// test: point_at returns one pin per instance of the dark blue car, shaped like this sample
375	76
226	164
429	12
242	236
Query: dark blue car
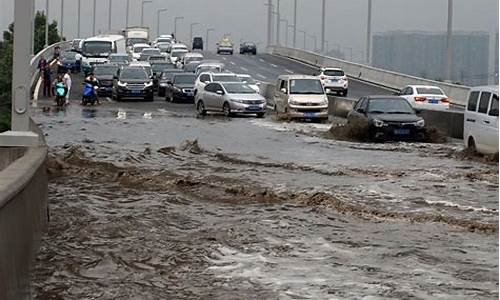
68	61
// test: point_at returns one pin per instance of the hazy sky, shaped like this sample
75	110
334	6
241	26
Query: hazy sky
346	19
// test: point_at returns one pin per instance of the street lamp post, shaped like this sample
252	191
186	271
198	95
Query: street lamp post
449	40
78	32
315	42
295	24
326	47
158	20
62	19
175	25
350	52
305	34
191	31
142	10
323	21
286	31
127	13
206	37
269	21
94	16
278	17
369	33
46	23
109	15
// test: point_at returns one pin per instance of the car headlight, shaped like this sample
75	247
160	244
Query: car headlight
324	102
293	102
148	84
379	123
185	91
420	123
237	101
122	84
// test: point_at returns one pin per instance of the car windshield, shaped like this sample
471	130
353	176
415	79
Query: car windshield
430	91
157	68
163	40
139	49
151	52
226	78
249	44
333	73
193	58
97	47
248	80
168	74
163	47
178	54
389	106
306	86
133	41
184	79
118	58
238	88
134	73
105	70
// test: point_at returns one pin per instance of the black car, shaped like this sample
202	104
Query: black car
387	118
105	74
133	82
181	87
158	67
165	78
198	43
248	48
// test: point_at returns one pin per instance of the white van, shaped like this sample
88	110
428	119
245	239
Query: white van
96	50
481	120
300	96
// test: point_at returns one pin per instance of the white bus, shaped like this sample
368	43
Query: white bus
95	50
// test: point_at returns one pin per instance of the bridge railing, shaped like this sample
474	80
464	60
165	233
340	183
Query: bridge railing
380	77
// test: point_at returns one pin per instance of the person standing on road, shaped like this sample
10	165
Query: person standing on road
46	77
67	83
78	65
42	64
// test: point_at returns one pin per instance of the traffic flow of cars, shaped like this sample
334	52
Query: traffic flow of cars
131	66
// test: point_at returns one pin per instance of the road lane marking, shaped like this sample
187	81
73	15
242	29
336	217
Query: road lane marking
244	69
109	99
261	76
233	63
275	66
288	71
261	60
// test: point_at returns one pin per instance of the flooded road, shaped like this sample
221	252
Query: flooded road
147	201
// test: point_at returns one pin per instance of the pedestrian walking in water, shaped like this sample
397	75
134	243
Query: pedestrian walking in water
47	81
42	64
67	83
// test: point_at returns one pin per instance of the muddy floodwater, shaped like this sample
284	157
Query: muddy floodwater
155	203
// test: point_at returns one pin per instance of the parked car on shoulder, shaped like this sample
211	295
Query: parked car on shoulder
481	120
248	47
207	77
334	81
181	87
425	97
198	43
133	82
300	96
387	118
105	74
230	98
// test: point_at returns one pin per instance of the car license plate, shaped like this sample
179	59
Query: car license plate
136	92
433	101
253	108
189	94
401	131
309	115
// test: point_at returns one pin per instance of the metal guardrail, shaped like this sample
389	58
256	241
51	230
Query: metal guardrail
380	77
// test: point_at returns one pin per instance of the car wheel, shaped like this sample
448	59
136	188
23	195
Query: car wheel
344	93
471	144
260	115
161	92
149	98
226	108
201	108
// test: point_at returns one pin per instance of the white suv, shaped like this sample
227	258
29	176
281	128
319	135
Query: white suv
334	80
208	77
481	120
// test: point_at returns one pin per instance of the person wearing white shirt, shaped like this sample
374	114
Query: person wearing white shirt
67	82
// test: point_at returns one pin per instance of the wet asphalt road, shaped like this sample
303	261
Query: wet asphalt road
149	201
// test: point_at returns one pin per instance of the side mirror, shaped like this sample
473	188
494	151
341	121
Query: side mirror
220	92
398	93
283	90
494	113
418	111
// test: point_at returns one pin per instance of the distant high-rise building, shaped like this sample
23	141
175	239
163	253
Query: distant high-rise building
422	54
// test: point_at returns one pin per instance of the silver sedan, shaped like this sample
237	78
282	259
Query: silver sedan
230	98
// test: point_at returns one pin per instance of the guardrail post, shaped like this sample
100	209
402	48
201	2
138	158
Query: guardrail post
20	135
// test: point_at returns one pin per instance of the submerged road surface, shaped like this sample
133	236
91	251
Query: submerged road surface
148	201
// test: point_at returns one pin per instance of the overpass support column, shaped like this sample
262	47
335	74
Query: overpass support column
20	135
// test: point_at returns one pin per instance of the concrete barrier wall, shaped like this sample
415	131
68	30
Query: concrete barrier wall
370	74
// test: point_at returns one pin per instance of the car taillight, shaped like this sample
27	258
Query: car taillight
420	99
445	100
344	78
323	77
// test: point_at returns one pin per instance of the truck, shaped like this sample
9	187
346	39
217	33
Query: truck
135	35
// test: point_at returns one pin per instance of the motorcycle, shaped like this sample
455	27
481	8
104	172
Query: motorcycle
60	91
89	94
